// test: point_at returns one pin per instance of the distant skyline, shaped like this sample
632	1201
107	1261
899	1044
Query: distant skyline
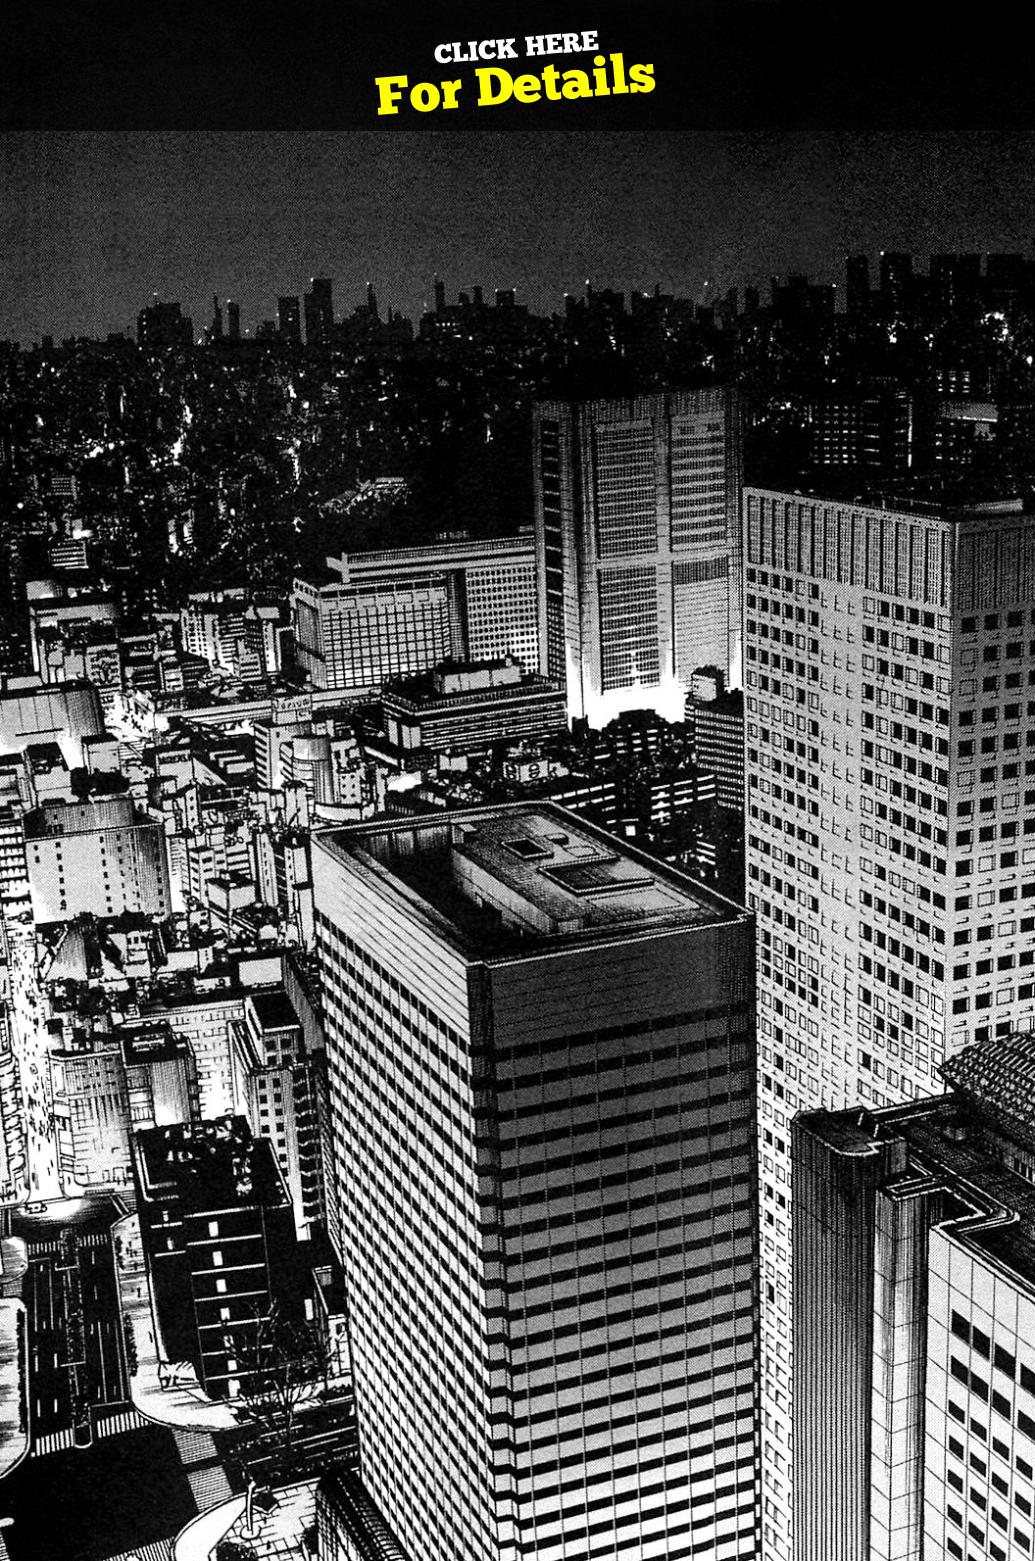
92	224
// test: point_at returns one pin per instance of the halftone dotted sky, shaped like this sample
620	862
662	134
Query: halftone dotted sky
92	224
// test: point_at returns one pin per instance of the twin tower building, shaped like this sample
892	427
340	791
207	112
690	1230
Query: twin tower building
565	1176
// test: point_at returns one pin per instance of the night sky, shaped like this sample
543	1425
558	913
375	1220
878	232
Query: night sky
92	224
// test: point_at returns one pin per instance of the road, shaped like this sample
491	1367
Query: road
71	1271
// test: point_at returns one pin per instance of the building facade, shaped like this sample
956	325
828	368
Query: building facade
890	753
404	610
472	706
100	857
540	1050
914	1339
638	538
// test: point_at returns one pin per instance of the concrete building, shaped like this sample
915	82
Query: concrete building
66	714
540	1046
890	750
161	1077
103	857
914	1339
404	610
91	1113
470	706
276	1093
638	542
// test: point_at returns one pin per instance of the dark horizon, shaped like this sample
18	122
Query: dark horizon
93	224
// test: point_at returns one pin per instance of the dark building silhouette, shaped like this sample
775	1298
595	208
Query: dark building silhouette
289	320
219	1241
164	325
319	312
896	279
858	301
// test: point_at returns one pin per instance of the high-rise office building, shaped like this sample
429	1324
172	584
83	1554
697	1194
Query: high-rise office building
541	1066
890	751
319	311
637	530
914	1310
866	433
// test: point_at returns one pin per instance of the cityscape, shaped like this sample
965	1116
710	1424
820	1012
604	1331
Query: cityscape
517	920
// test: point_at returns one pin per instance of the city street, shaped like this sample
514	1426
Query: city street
71	1275
30	1039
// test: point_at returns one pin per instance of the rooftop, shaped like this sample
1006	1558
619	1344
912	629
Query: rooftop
505	879
273	1010
210	1165
152	1043
947	1139
997	1080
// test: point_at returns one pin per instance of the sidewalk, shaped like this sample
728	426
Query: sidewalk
197	1541
184	1405
278	1534
14	1385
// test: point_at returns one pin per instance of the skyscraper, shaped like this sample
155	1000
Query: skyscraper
914	1307
319	312
890	656
858	301
541	1063
637	529
289	321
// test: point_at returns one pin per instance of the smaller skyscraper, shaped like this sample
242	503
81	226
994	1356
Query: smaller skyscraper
914	1320
164	325
289	320
715	716
400	611
858	267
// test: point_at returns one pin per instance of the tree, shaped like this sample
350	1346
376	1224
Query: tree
233	1550
281	1364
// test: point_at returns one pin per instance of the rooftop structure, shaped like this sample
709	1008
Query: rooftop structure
208	1165
499	879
